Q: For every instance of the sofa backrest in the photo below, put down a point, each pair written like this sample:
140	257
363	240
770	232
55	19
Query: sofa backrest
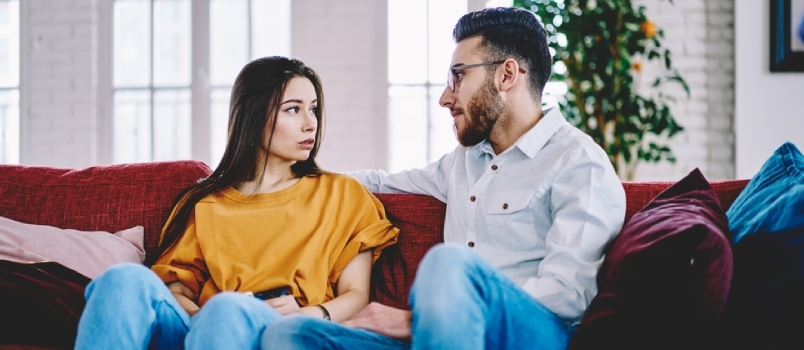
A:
117	197
101	198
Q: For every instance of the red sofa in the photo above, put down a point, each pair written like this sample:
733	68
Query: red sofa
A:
113	198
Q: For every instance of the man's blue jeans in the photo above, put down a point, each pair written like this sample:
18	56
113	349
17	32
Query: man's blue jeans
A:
129	307
458	301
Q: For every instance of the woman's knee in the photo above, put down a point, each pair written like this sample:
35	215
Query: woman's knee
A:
126	275
227	302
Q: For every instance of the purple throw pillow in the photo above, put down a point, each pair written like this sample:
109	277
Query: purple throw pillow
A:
665	280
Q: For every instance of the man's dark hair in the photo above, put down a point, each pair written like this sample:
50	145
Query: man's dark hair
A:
510	33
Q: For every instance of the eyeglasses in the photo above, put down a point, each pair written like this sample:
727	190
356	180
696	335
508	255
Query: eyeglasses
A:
456	72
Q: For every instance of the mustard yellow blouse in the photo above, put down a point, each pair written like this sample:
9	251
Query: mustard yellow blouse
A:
301	237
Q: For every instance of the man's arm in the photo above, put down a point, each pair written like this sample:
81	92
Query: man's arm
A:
430	180
588	208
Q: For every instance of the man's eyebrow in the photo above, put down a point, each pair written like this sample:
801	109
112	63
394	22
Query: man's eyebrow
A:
456	65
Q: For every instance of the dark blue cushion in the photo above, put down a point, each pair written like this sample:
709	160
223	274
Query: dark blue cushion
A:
766	302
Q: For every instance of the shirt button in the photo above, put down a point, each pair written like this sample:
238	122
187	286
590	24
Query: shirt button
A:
494	167
472	198
505	206
471	244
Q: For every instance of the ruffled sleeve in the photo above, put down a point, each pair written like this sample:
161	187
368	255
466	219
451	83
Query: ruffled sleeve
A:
373	231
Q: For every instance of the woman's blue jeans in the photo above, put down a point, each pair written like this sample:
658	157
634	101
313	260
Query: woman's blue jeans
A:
129	307
458	301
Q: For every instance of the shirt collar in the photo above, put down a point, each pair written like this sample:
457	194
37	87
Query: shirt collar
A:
534	139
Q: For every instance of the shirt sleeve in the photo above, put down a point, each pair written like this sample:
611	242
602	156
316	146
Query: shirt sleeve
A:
588	209
373	231
430	180
184	262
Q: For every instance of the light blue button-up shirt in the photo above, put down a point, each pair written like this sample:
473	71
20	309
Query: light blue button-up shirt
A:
542	211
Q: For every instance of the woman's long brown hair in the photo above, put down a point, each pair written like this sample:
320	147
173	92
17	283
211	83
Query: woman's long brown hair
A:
255	101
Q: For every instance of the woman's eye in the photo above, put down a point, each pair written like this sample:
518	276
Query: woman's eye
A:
293	109
314	110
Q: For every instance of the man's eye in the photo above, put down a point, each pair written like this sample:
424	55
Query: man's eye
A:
458	74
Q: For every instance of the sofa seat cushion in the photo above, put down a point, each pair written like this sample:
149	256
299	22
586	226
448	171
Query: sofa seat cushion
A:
765	308
665	280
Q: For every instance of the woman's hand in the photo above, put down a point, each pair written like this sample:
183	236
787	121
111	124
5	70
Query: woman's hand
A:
285	305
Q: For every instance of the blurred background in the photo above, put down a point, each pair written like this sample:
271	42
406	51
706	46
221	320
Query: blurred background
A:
93	82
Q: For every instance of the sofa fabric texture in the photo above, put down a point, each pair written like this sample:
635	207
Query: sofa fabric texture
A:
102	198
666	278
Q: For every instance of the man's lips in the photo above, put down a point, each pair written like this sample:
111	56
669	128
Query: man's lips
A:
456	113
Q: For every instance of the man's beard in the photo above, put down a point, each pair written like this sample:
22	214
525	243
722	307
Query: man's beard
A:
485	108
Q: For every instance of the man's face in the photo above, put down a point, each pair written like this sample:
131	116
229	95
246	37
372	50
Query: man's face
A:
475	104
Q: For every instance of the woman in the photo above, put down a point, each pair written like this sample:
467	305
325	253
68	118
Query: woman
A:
268	234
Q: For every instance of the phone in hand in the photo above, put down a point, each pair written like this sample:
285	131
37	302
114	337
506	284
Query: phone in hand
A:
272	293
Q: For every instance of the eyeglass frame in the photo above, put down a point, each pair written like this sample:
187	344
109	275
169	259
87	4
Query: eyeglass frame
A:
452	76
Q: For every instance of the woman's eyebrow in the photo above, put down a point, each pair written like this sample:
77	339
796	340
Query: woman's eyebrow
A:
299	101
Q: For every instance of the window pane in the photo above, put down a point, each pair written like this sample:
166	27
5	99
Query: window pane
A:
9	44
443	16
9	126
442	134
407	127
219	120
407	41
172	125
132	126
270	28
172	42
228	40
132	43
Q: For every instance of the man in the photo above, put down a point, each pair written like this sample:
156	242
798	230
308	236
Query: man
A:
531	204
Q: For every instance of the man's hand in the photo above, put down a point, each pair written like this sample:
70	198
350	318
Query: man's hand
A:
285	305
385	320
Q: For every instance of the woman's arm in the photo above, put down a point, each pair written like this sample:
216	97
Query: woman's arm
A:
352	290
184	296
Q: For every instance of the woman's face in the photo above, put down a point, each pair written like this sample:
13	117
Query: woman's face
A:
296	123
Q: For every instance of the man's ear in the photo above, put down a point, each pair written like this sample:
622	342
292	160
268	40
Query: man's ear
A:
509	74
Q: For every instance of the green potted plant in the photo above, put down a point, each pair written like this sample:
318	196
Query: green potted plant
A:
601	48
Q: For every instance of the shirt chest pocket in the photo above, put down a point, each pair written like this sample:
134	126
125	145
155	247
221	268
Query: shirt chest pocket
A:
509	222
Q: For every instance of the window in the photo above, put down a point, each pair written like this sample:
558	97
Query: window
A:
419	52
158	78
9	82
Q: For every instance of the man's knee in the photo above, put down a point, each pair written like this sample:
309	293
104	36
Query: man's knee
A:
447	258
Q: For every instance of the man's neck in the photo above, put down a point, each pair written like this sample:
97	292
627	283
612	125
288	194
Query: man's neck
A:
507	132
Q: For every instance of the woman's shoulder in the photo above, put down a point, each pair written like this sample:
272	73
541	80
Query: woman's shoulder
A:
341	180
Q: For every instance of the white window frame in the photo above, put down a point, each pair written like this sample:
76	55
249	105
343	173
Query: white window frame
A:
200	89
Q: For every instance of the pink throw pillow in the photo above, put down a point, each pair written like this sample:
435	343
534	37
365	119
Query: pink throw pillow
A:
89	253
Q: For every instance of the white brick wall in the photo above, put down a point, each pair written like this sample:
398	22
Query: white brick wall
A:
58	92
700	35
